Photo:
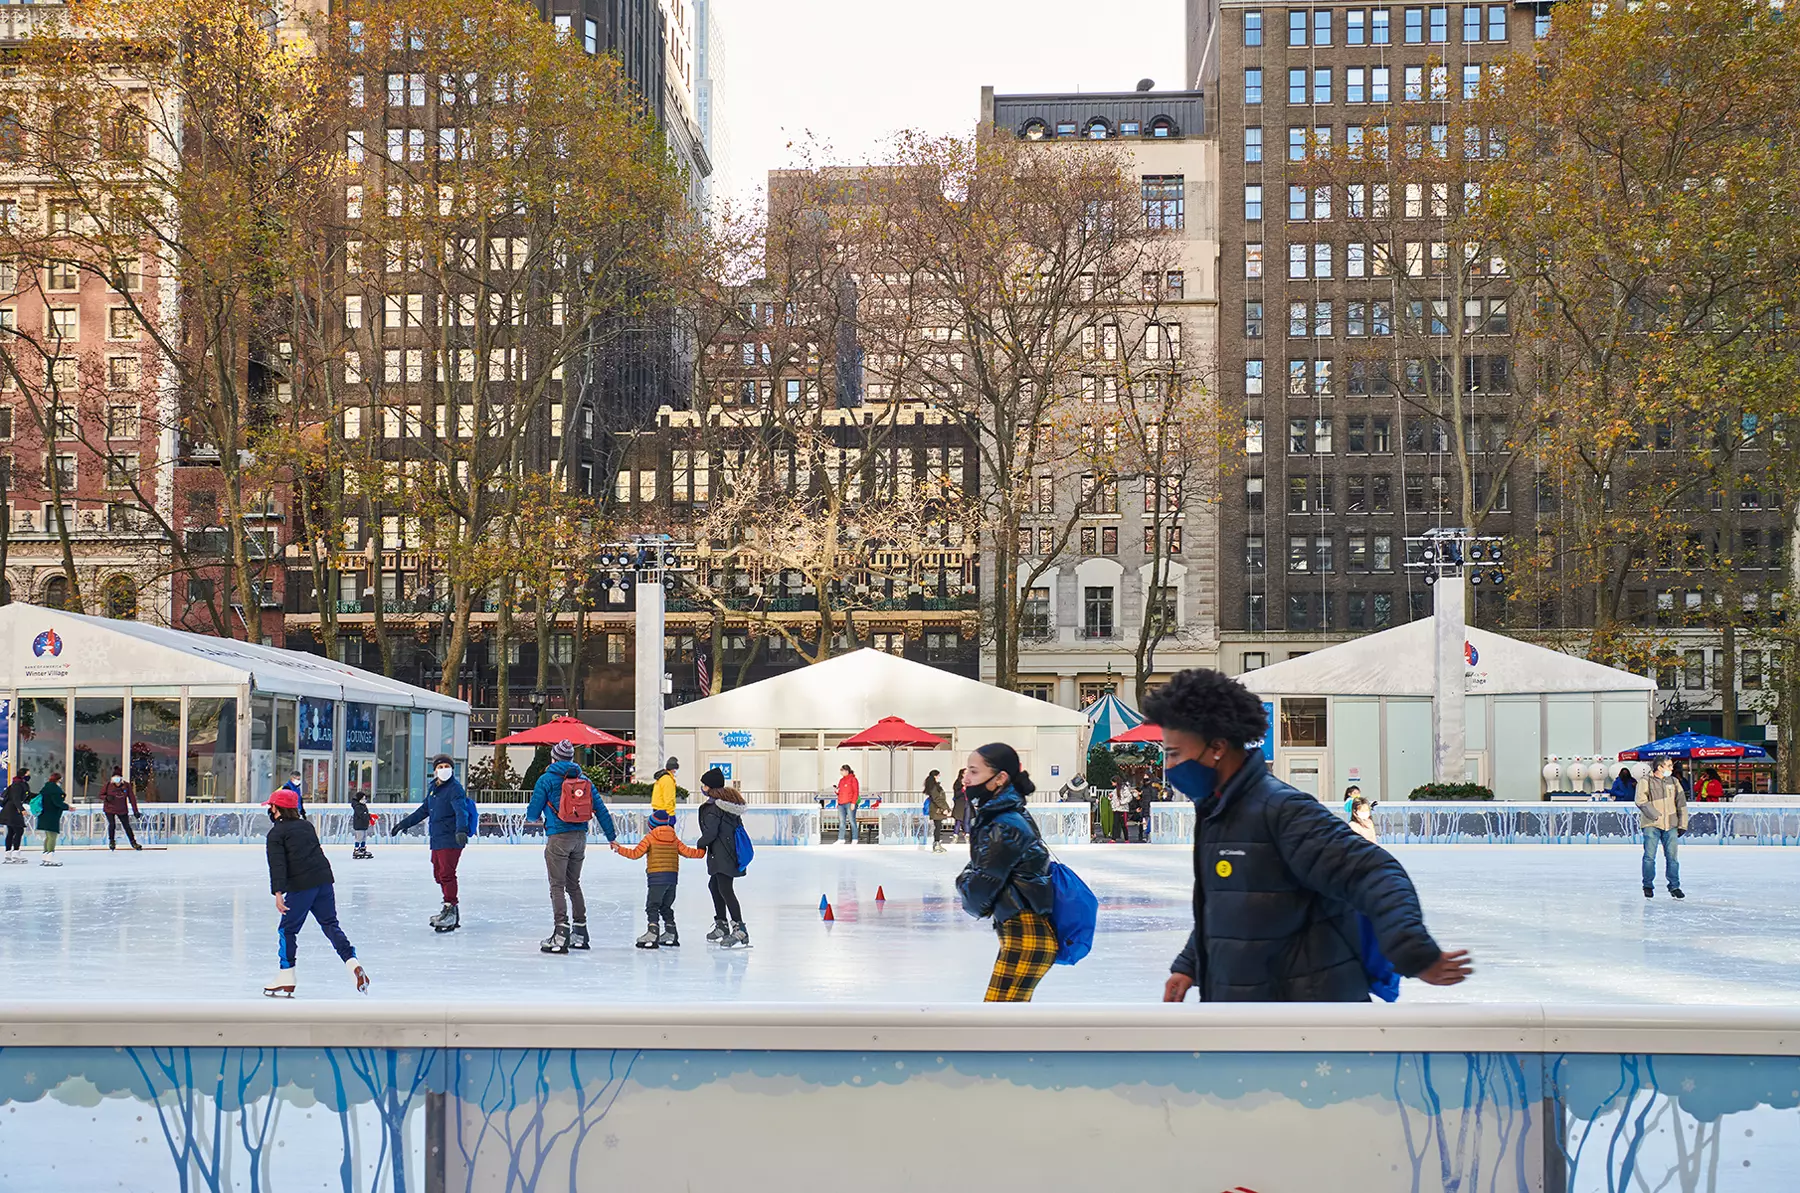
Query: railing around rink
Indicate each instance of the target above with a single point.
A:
(768, 824)
(244, 824)
(390, 1097)
(1457, 823)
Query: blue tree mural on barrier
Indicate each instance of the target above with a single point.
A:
(523, 1119)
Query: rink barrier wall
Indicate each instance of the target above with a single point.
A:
(768, 824)
(1485, 823)
(396, 1097)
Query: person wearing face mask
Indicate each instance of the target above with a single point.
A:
(1279, 878)
(451, 816)
(1008, 875)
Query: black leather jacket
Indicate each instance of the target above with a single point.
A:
(1009, 867)
(1278, 882)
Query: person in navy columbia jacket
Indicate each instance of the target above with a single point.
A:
(1279, 879)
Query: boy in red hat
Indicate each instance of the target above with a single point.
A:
(301, 880)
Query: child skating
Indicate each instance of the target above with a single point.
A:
(301, 880)
(665, 851)
(360, 820)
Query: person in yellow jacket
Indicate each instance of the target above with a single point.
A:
(662, 794)
(664, 850)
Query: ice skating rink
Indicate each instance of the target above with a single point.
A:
(1552, 923)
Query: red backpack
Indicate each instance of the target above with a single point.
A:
(576, 803)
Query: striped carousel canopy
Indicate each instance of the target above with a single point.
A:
(1108, 717)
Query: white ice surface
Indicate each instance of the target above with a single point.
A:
(1555, 923)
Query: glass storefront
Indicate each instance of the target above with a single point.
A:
(99, 744)
(393, 755)
(212, 747)
(43, 736)
(156, 749)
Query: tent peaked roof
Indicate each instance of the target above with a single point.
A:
(853, 691)
(1398, 662)
(101, 650)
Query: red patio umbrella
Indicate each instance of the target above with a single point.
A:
(1142, 733)
(893, 733)
(570, 729)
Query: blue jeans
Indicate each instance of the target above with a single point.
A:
(846, 823)
(320, 902)
(1670, 840)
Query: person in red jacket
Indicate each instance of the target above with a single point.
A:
(849, 792)
(118, 799)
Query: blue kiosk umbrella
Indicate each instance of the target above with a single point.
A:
(1695, 745)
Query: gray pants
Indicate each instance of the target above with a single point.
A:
(563, 855)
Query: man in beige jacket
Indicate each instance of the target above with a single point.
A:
(1663, 817)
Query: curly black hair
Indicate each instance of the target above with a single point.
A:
(1209, 704)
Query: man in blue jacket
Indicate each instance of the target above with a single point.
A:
(1279, 879)
(565, 846)
(451, 823)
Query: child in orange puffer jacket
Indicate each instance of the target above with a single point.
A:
(664, 850)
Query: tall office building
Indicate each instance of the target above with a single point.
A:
(712, 96)
(1337, 335)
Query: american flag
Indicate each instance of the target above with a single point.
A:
(702, 670)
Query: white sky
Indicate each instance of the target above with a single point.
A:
(853, 72)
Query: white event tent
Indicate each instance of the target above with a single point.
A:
(779, 738)
(1361, 712)
(200, 719)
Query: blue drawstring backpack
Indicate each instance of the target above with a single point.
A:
(746, 852)
(1073, 913)
(1384, 979)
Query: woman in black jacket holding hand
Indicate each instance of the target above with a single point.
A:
(1008, 875)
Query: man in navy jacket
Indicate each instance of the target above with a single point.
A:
(1279, 879)
(450, 822)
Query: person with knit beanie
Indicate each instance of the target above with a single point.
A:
(720, 817)
(662, 795)
(664, 851)
(564, 801)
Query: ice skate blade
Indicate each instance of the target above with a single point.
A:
(279, 992)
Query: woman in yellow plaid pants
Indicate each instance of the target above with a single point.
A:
(1008, 875)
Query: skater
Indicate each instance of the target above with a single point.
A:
(12, 815)
(720, 817)
(937, 807)
(1362, 818)
(119, 801)
(666, 789)
(450, 827)
(563, 800)
(294, 784)
(1662, 817)
(1624, 786)
(1711, 788)
(1008, 875)
(301, 880)
(360, 821)
(664, 851)
(959, 808)
(52, 803)
(1279, 878)
(1121, 809)
(849, 794)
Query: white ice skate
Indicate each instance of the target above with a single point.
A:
(282, 986)
(357, 975)
(50, 860)
(650, 939)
